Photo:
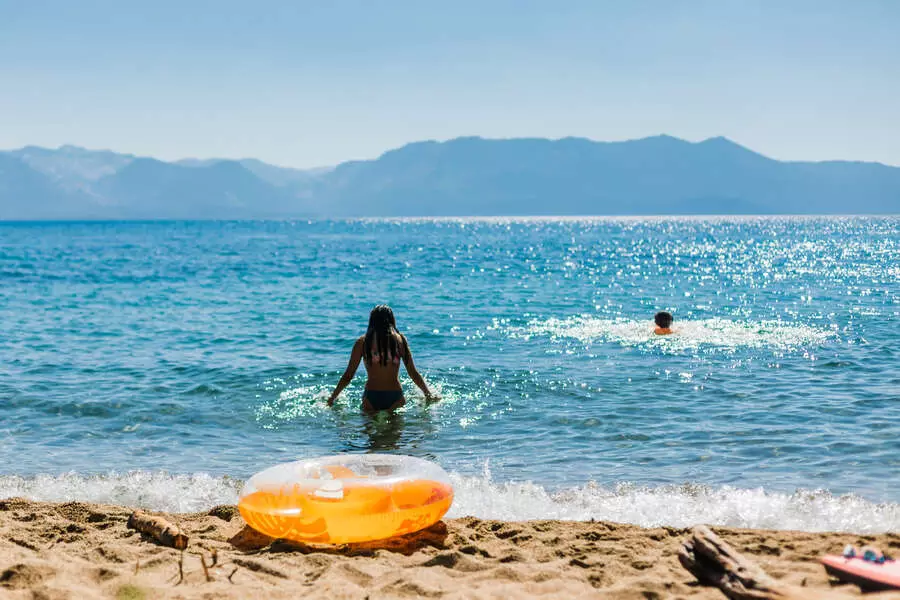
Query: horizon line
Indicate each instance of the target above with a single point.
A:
(472, 218)
(444, 141)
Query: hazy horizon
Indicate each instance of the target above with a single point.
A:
(382, 152)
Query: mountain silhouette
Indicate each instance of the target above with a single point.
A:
(21, 186)
(72, 167)
(572, 176)
(278, 176)
(148, 188)
(468, 176)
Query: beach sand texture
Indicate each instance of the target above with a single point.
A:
(79, 550)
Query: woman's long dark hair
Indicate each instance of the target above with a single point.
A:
(383, 335)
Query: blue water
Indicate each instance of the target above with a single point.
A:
(161, 363)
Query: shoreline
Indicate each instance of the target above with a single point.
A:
(84, 550)
(664, 505)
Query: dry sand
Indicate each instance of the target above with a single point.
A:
(78, 550)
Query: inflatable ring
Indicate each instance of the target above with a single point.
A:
(348, 498)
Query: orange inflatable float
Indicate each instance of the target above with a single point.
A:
(347, 498)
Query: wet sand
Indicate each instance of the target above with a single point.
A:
(78, 550)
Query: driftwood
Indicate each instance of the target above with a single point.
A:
(713, 562)
(158, 528)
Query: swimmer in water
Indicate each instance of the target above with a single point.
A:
(663, 322)
(381, 350)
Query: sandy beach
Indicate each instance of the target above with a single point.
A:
(80, 550)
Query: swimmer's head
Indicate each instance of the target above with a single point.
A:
(382, 318)
(382, 335)
(663, 319)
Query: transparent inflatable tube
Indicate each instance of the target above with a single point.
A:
(346, 498)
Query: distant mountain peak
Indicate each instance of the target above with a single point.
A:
(663, 137)
(722, 144)
(721, 140)
(72, 149)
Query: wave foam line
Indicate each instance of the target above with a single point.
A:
(676, 505)
(154, 490)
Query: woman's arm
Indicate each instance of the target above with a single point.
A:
(347, 377)
(414, 373)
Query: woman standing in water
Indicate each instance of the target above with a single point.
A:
(381, 350)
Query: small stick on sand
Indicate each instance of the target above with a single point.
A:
(232, 575)
(137, 566)
(259, 567)
(161, 530)
(180, 568)
(713, 562)
(205, 568)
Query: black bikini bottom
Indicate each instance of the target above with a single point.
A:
(382, 399)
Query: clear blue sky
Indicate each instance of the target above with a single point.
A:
(314, 83)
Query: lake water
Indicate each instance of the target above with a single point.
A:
(161, 363)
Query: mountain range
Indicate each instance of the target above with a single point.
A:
(469, 176)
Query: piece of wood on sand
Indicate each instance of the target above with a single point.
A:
(164, 532)
(713, 562)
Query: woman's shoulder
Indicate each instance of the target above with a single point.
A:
(404, 345)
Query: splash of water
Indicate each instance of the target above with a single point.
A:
(675, 505)
(716, 333)
(156, 490)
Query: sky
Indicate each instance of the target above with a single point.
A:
(308, 84)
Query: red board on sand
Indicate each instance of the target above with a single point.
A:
(866, 574)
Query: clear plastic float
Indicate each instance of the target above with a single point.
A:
(346, 498)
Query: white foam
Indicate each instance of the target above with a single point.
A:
(152, 490)
(678, 506)
(716, 333)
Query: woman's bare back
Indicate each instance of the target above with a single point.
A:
(384, 374)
